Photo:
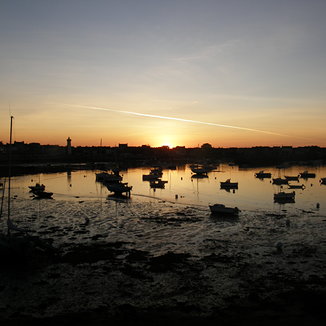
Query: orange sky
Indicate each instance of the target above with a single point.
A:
(259, 65)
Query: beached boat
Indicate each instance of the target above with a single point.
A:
(119, 188)
(284, 197)
(323, 181)
(39, 191)
(223, 210)
(228, 184)
(37, 187)
(306, 175)
(280, 181)
(262, 175)
(42, 194)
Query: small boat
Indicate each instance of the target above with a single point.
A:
(284, 197)
(199, 176)
(37, 187)
(157, 170)
(280, 181)
(119, 188)
(262, 175)
(291, 177)
(223, 210)
(42, 194)
(209, 167)
(150, 177)
(229, 185)
(297, 186)
(158, 184)
(306, 175)
(39, 191)
(322, 181)
(154, 174)
(198, 169)
(106, 177)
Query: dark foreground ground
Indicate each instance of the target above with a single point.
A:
(161, 263)
(113, 284)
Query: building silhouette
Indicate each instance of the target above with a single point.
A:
(69, 146)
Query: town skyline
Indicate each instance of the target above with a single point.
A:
(121, 145)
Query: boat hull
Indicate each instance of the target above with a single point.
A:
(263, 175)
(219, 209)
(283, 197)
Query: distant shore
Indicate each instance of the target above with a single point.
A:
(35, 156)
(53, 167)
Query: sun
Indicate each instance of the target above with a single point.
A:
(166, 145)
(165, 141)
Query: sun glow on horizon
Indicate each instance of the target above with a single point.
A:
(165, 141)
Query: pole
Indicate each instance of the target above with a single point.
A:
(9, 173)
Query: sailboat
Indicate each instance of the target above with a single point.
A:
(10, 225)
(17, 247)
(12, 249)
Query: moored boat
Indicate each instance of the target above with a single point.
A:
(154, 174)
(157, 170)
(158, 184)
(119, 188)
(296, 186)
(223, 210)
(43, 194)
(291, 177)
(150, 177)
(37, 187)
(262, 175)
(306, 175)
(284, 197)
(280, 181)
(228, 184)
(108, 177)
(198, 169)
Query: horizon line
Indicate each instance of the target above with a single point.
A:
(164, 146)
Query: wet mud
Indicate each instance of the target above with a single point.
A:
(154, 262)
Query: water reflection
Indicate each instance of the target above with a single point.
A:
(182, 186)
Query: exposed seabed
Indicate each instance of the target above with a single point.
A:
(137, 262)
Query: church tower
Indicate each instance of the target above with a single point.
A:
(69, 146)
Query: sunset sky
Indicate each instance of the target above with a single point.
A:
(183, 72)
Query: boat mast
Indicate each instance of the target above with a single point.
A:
(9, 173)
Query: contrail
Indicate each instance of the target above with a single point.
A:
(179, 119)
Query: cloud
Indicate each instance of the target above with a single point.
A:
(179, 119)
